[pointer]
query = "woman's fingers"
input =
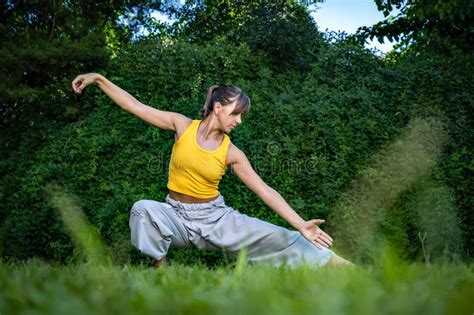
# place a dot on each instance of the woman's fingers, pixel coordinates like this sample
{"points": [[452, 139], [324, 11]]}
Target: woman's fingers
{"points": [[80, 82], [318, 237], [321, 239], [326, 235], [311, 238], [76, 84], [316, 221]]}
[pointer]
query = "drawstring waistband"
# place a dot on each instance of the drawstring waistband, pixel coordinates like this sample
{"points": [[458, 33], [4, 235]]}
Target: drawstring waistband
{"points": [[219, 201]]}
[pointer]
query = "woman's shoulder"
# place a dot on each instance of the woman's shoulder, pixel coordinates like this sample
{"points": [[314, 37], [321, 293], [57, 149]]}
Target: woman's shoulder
{"points": [[182, 124], [234, 154], [182, 121]]}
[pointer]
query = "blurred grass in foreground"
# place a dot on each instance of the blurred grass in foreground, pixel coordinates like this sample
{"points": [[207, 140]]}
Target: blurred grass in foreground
{"points": [[392, 288], [87, 239], [406, 163]]}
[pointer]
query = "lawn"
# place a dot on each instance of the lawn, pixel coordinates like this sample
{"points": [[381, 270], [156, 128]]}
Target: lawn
{"points": [[36, 287]]}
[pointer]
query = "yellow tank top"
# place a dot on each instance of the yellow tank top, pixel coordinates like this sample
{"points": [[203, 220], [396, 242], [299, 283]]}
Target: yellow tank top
{"points": [[193, 170]]}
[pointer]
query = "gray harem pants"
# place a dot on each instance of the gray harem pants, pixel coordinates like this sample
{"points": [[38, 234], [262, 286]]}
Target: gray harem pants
{"points": [[155, 226]]}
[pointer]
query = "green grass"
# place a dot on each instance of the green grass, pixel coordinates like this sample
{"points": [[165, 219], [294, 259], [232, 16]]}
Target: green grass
{"points": [[389, 286], [36, 287]]}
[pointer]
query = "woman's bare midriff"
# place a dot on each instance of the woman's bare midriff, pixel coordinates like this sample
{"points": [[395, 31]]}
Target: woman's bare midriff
{"points": [[189, 199]]}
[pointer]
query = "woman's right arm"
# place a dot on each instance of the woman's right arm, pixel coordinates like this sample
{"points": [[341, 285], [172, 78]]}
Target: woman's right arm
{"points": [[162, 119]]}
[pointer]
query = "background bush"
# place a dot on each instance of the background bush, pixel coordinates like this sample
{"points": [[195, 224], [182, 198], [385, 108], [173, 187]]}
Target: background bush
{"points": [[311, 133]]}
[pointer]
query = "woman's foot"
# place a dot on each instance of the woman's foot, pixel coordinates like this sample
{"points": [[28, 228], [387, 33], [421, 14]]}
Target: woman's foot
{"points": [[338, 261], [162, 263]]}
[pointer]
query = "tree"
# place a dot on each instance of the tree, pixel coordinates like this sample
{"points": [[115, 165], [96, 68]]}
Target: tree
{"points": [[442, 23], [283, 30], [45, 43]]}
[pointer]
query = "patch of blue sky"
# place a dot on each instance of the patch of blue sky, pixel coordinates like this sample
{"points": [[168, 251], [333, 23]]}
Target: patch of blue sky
{"points": [[348, 15]]}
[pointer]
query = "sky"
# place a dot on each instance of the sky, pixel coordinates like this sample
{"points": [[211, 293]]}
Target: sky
{"points": [[348, 15]]}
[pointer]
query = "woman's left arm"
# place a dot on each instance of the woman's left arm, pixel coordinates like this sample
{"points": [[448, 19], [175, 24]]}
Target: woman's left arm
{"points": [[244, 170]]}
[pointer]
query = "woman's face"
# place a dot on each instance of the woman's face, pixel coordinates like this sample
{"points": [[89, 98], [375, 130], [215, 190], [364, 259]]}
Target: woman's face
{"points": [[228, 120]]}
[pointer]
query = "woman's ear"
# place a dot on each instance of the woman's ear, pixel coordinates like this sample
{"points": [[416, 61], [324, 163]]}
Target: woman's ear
{"points": [[217, 107]]}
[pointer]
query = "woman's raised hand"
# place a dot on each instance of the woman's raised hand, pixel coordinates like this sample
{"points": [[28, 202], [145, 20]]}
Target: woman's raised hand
{"points": [[315, 235], [83, 80]]}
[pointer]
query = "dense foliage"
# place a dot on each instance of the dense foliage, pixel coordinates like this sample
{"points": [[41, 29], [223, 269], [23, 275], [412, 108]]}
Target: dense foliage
{"points": [[427, 23], [44, 44], [265, 26], [330, 124]]}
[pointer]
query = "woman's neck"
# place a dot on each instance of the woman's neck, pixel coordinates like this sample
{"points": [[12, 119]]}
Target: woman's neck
{"points": [[208, 129]]}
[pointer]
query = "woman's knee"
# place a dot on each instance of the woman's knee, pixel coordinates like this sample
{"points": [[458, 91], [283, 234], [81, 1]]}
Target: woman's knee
{"points": [[139, 213], [141, 207]]}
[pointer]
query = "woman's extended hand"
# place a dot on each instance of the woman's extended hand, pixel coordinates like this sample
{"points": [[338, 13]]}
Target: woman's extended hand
{"points": [[83, 80], [314, 234]]}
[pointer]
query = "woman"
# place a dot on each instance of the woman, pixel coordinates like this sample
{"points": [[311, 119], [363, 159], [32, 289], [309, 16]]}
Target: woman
{"points": [[194, 213]]}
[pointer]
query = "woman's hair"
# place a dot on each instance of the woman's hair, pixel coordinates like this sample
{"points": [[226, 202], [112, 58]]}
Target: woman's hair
{"points": [[226, 95]]}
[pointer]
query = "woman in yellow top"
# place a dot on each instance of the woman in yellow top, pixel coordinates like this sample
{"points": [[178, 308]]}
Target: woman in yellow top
{"points": [[195, 213]]}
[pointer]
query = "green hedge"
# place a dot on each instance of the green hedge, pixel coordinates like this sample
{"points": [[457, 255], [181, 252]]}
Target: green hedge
{"points": [[308, 135]]}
